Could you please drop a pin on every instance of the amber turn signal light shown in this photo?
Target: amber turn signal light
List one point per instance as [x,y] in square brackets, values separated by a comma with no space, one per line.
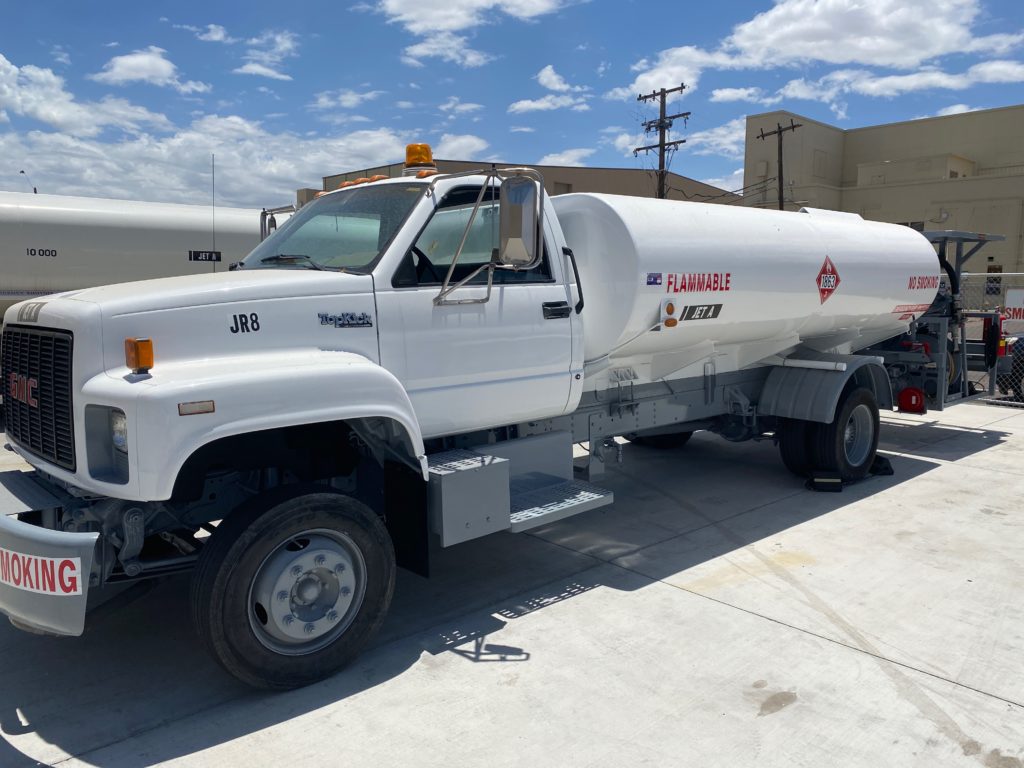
[138,354]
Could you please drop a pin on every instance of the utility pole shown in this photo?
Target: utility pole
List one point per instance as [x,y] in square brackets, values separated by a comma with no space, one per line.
[779,130]
[663,124]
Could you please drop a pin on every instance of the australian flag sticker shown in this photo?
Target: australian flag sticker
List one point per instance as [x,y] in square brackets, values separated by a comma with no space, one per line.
[654,278]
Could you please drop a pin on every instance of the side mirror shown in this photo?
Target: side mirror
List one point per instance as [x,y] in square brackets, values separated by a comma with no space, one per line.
[518,223]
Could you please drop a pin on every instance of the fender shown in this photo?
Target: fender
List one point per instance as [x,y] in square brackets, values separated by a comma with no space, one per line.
[249,394]
[812,395]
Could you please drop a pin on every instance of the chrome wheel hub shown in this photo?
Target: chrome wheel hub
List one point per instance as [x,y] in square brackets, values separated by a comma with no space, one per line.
[858,435]
[307,592]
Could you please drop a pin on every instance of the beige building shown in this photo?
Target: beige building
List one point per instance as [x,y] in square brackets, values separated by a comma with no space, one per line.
[559,180]
[961,172]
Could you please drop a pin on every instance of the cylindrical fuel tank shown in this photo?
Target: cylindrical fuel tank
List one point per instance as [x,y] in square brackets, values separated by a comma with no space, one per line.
[52,243]
[737,275]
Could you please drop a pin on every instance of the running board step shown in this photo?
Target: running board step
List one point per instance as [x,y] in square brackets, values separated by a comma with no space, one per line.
[556,502]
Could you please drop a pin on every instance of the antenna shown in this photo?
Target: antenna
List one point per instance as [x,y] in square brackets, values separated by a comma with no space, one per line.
[34,190]
[213,204]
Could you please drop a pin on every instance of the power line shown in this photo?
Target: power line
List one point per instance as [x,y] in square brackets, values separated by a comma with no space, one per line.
[662,124]
[779,130]
[742,190]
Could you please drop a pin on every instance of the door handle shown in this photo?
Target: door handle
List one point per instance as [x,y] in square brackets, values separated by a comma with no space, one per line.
[556,309]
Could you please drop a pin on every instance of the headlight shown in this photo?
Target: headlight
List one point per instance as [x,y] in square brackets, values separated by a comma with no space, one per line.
[119,430]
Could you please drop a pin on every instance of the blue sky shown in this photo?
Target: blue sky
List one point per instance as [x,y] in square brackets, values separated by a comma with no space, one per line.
[121,99]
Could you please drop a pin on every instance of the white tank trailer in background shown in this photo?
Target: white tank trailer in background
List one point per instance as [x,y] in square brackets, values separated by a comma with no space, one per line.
[55,243]
[411,360]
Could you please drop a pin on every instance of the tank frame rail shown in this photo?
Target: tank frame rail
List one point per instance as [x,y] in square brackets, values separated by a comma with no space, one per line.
[688,404]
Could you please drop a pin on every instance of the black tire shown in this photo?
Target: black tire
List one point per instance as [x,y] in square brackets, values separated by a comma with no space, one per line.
[672,440]
[267,536]
[794,445]
[848,445]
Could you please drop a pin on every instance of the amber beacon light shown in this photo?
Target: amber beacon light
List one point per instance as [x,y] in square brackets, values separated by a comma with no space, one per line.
[418,157]
[138,354]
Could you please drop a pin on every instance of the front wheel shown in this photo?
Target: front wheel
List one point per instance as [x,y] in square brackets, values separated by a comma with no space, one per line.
[848,445]
[292,586]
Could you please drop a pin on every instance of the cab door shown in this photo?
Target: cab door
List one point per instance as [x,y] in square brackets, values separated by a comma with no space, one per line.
[474,366]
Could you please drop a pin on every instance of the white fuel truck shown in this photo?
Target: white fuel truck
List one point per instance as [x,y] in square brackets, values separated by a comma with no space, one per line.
[53,243]
[413,359]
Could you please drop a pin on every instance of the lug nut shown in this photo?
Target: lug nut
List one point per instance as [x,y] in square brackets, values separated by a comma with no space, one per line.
[296,570]
[288,620]
[282,595]
[339,568]
[346,591]
[310,629]
[320,560]
[332,615]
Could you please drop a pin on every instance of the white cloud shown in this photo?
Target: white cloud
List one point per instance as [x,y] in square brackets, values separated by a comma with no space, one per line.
[252,68]
[755,95]
[112,44]
[255,167]
[421,18]
[901,34]
[147,65]
[39,94]
[731,183]
[893,33]
[460,147]
[344,98]
[215,33]
[267,53]
[447,47]
[455,105]
[724,140]
[571,157]
[404,104]
[955,109]
[549,102]
[60,55]
[521,129]
[437,23]
[553,81]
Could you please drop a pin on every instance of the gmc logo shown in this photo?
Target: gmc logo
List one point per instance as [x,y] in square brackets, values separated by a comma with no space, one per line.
[23,389]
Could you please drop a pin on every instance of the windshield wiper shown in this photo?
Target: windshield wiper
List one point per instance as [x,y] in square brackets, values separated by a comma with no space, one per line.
[282,257]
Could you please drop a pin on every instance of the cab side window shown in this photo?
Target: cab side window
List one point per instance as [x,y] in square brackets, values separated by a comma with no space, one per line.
[431,256]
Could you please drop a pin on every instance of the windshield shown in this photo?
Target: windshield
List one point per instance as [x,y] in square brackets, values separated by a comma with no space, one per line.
[343,231]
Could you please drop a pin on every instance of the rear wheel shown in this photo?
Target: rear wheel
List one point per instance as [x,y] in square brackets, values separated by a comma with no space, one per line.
[292,586]
[848,445]
[794,436]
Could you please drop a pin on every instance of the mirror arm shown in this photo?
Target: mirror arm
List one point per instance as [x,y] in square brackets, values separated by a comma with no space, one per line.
[462,242]
[576,272]
[442,300]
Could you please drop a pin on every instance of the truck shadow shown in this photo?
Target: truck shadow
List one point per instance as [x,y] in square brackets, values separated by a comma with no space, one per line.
[139,668]
[938,441]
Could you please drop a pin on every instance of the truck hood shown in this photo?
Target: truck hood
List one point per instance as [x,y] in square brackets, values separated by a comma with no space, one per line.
[257,285]
[198,318]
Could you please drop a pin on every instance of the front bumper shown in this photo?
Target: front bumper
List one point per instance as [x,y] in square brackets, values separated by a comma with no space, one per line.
[44,574]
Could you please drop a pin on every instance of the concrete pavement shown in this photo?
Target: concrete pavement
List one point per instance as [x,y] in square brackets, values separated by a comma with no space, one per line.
[717,614]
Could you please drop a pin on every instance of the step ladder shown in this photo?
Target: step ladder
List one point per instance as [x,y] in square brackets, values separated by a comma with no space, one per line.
[514,486]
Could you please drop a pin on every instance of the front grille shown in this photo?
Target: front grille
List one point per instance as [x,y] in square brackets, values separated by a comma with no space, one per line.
[37,392]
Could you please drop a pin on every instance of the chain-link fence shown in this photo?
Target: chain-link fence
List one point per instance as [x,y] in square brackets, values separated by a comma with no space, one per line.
[1003,292]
